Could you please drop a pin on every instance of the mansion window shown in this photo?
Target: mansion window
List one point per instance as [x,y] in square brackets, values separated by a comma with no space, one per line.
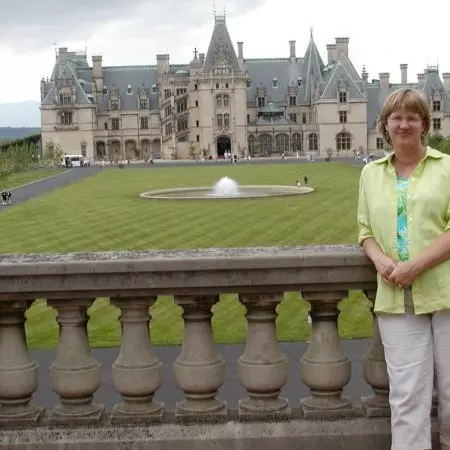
[342,116]
[299,81]
[168,129]
[296,142]
[129,90]
[249,84]
[223,120]
[182,105]
[181,91]
[248,119]
[437,123]
[182,124]
[282,143]
[197,123]
[196,103]
[343,141]
[313,143]
[198,138]
[143,103]
[304,117]
[83,149]
[167,94]
[144,123]
[105,90]
[293,117]
[65,99]
[222,100]
[380,143]
[66,118]
[343,97]
[251,144]
[115,123]
[261,102]
[436,105]
[275,82]
[167,111]
[292,100]
[219,121]
[114,105]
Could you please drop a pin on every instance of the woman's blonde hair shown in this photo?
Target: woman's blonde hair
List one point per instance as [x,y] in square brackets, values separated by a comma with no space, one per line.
[409,100]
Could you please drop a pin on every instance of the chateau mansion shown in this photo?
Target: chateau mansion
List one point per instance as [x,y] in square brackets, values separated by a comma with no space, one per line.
[223,102]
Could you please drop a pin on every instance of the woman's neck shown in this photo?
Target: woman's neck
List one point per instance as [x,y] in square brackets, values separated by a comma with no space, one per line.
[408,156]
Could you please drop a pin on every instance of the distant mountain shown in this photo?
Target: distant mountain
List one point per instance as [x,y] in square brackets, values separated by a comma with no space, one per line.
[10,134]
[17,115]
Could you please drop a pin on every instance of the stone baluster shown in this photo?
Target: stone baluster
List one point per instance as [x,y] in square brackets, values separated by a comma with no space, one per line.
[375,373]
[18,373]
[263,368]
[75,373]
[325,368]
[199,370]
[136,372]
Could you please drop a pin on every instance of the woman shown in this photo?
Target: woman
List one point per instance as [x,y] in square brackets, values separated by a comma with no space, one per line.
[404,223]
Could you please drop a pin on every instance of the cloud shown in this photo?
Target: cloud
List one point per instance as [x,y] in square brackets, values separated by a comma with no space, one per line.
[29,25]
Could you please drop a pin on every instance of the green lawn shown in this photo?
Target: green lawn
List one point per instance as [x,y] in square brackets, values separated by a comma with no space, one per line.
[28,177]
[105,212]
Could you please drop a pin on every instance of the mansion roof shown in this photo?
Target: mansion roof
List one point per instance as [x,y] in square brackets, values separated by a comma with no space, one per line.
[307,78]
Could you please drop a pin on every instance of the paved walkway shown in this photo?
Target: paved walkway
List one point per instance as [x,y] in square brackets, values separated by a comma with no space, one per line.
[231,390]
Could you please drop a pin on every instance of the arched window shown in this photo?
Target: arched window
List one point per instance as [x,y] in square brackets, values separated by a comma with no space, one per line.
[265,144]
[282,143]
[313,143]
[219,101]
[251,144]
[226,100]
[343,141]
[296,143]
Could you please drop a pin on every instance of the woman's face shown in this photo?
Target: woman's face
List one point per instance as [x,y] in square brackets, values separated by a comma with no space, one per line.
[405,128]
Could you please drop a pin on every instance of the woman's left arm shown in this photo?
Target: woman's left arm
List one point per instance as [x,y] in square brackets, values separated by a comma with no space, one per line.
[433,255]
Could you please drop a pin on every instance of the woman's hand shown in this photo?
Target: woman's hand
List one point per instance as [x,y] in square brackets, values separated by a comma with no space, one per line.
[404,274]
[385,266]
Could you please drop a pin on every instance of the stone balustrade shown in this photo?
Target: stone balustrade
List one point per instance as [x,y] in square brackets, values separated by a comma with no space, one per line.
[196,278]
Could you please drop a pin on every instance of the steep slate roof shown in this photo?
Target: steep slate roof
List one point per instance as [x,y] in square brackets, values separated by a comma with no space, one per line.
[340,74]
[433,82]
[312,67]
[263,71]
[221,48]
[119,78]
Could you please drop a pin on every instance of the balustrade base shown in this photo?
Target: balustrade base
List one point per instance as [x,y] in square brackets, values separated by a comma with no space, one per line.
[62,415]
[339,410]
[374,407]
[154,414]
[245,415]
[219,413]
[29,416]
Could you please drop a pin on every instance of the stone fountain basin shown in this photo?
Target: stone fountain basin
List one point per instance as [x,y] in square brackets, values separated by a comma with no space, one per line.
[245,192]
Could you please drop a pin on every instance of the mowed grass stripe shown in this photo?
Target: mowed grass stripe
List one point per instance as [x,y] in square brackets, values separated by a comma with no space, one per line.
[104,212]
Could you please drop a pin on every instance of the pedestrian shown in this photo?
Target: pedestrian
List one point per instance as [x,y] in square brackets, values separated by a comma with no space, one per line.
[298,183]
[8,195]
[305,180]
[404,228]
[4,197]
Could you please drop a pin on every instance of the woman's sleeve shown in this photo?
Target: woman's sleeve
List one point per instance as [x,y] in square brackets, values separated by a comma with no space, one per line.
[363,216]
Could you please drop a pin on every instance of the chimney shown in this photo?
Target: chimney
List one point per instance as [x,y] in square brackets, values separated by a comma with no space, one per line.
[240,50]
[421,79]
[365,74]
[404,73]
[332,53]
[162,65]
[97,69]
[446,77]
[342,45]
[292,53]
[384,85]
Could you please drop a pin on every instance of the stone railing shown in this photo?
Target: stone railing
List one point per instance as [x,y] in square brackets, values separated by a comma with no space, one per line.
[196,278]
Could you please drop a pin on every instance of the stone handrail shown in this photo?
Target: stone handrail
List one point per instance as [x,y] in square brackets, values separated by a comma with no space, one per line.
[196,278]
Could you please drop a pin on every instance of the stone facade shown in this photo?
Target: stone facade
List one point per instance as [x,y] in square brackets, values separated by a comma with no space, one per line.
[222,102]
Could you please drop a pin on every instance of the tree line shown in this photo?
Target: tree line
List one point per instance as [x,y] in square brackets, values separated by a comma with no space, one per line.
[20,157]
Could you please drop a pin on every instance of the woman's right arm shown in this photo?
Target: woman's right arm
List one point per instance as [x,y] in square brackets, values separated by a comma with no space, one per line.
[383,263]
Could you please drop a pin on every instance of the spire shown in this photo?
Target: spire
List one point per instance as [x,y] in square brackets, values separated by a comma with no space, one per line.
[312,66]
[221,56]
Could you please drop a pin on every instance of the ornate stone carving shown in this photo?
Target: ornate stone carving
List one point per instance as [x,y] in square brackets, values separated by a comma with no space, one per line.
[221,53]
[261,91]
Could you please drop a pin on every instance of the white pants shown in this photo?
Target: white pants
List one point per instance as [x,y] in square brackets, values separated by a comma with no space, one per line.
[417,349]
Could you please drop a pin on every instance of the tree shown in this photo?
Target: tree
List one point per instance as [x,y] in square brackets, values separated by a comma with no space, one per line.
[52,155]
[193,150]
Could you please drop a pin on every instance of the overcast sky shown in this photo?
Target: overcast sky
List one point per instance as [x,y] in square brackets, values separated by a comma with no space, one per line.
[382,33]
